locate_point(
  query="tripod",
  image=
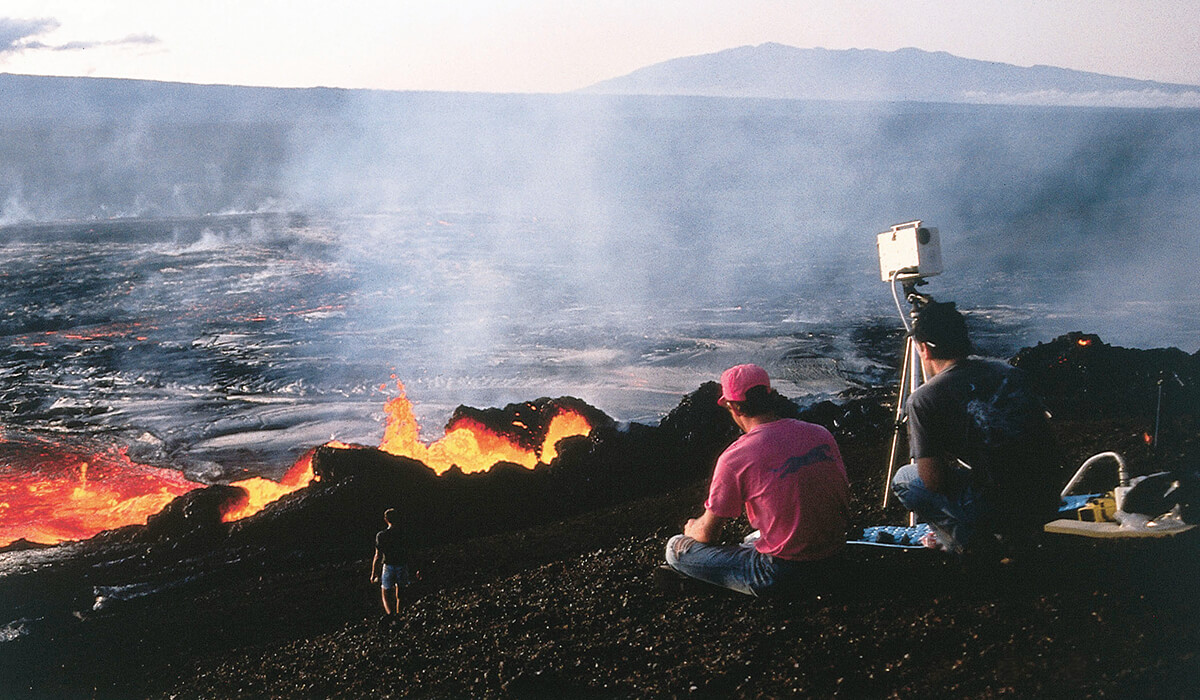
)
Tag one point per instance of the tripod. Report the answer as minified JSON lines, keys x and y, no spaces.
{"x":912,"y":374}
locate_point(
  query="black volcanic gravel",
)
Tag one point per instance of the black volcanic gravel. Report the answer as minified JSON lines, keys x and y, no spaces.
{"x":1086,"y":622}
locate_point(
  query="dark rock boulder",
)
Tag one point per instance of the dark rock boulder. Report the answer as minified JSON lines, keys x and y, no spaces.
{"x":859,"y":418}
{"x":1081,"y":376}
{"x":193,"y":519}
{"x":22,"y":545}
{"x":526,"y":424}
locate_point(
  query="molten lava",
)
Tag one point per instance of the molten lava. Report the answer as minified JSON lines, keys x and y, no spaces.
{"x":470,"y":445}
{"x":261,"y":492}
{"x":51,"y":493}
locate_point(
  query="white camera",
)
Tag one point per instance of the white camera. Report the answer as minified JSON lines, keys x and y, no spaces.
{"x":909,"y":251}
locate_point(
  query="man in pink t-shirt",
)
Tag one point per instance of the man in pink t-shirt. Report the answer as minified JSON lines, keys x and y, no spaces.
{"x":787,"y":475}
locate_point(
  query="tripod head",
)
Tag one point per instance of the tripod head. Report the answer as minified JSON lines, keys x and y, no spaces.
{"x":914,"y":298}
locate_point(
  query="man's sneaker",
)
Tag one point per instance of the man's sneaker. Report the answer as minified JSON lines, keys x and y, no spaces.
{"x":669,"y":580}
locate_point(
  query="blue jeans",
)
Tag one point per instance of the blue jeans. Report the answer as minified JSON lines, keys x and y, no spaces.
{"x":738,"y":567}
{"x":954,"y":516}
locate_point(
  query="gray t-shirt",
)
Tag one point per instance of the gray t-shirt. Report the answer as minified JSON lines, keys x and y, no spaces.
{"x":393,"y":545}
{"x":984,"y":413}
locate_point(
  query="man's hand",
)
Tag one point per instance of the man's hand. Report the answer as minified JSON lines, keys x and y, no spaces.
{"x":706,"y":528}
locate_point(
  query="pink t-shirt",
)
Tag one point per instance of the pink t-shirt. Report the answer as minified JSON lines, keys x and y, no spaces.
{"x":790,"y":477}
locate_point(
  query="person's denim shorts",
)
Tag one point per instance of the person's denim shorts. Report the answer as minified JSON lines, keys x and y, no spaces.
{"x":394,"y":575}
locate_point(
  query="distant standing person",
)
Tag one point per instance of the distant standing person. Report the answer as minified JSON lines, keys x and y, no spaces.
{"x":389,"y":568}
{"x":788,"y":476}
{"x":984,"y":469}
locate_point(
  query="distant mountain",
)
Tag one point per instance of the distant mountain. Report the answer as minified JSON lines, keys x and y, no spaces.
{"x":778,"y":71}
{"x":96,"y":100}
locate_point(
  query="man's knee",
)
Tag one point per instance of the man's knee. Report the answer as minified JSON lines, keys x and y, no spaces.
{"x":905,"y":475}
{"x":678,"y":546}
{"x":903,"y":481}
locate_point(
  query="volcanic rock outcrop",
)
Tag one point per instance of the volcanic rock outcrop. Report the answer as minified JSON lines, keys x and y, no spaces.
{"x":1081,"y":376}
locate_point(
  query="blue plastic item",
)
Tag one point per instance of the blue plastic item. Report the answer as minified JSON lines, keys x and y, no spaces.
{"x":894,"y":535}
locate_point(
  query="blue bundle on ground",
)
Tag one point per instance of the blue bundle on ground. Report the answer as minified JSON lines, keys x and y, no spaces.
{"x":894,"y":535}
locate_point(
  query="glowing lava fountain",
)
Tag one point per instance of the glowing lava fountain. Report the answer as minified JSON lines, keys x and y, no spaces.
{"x":472,"y":446}
{"x":262,"y":492}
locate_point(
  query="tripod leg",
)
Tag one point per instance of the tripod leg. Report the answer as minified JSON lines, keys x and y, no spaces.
{"x":905,"y":371}
{"x":887,"y":482}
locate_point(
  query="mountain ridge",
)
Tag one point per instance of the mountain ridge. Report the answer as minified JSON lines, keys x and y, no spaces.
{"x":770,"y":70}
{"x":773,"y":70}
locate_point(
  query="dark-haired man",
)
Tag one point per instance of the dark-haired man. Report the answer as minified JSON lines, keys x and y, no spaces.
{"x":788,"y":476}
{"x":984,"y":460}
{"x":389,"y":567}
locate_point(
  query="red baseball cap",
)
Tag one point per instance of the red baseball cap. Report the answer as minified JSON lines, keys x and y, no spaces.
{"x":736,"y":380}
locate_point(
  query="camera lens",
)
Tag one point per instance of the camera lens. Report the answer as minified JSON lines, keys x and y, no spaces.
{"x":923,"y":236}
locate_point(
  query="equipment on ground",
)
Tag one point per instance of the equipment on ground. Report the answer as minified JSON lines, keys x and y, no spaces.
{"x":1148,"y":506}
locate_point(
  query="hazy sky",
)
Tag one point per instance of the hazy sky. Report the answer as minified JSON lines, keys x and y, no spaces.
{"x":561,"y":45}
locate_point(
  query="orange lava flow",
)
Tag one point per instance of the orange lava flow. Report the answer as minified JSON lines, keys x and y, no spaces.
{"x":53,"y":493}
{"x":261,"y":492}
{"x":468,"y":444}
{"x":56,"y":492}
